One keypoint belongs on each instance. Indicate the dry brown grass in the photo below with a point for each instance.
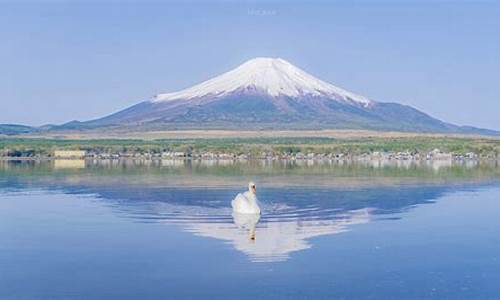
(214, 134)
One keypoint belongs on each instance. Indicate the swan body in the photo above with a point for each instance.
(247, 202)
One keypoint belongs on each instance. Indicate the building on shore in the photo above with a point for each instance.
(69, 154)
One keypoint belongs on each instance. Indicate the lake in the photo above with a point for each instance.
(165, 230)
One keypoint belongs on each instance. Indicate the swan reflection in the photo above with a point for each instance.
(246, 222)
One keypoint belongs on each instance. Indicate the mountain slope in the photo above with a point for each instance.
(13, 129)
(268, 93)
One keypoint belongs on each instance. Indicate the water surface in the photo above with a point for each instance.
(164, 229)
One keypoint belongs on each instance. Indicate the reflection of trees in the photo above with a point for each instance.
(224, 168)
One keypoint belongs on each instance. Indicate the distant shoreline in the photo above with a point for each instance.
(317, 145)
(216, 134)
(350, 159)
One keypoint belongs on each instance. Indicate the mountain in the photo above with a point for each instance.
(269, 93)
(13, 129)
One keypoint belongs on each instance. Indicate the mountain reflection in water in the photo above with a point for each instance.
(300, 201)
(279, 231)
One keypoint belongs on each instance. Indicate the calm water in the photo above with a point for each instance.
(165, 230)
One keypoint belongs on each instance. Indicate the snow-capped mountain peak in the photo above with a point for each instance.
(270, 94)
(273, 76)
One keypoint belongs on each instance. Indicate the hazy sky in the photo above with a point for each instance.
(62, 61)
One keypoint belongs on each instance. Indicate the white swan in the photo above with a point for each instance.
(247, 203)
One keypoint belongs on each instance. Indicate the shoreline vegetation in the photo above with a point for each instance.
(220, 145)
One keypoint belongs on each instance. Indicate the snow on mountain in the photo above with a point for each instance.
(274, 76)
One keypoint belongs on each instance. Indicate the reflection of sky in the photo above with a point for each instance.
(57, 244)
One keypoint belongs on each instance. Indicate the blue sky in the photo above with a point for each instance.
(62, 61)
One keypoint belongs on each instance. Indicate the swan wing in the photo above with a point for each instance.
(246, 203)
(239, 202)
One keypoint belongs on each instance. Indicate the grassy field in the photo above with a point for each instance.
(347, 142)
(231, 134)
